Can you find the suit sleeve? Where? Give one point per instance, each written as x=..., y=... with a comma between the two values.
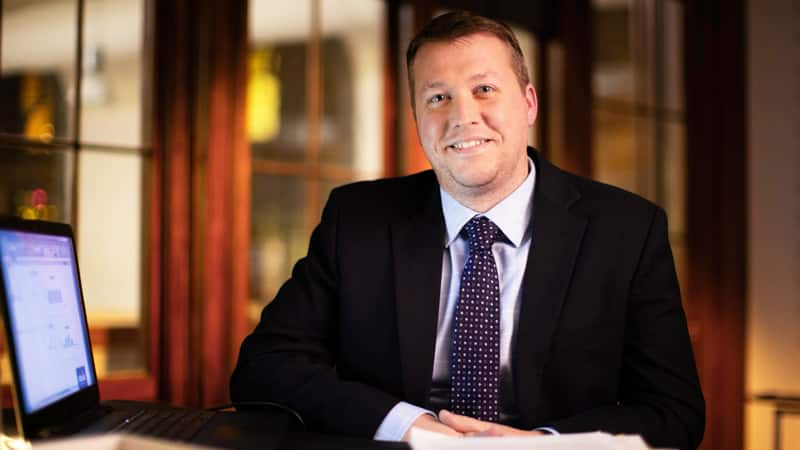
x=660, y=396
x=290, y=357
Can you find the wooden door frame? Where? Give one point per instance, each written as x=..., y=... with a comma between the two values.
x=200, y=240
x=715, y=90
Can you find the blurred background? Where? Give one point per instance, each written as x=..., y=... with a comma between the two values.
x=192, y=145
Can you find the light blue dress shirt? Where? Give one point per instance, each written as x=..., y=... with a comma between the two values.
x=512, y=215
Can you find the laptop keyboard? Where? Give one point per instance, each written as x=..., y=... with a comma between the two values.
x=177, y=424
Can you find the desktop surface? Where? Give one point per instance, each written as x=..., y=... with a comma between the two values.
x=262, y=430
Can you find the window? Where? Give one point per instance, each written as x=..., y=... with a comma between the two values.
x=639, y=118
x=315, y=121
x=74, y=148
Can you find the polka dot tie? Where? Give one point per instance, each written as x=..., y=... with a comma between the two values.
x=475, y=352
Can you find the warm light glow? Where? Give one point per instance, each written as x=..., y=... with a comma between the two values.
x=35, y=206
x=12, y=443
x=263, y=96
x=36, y=104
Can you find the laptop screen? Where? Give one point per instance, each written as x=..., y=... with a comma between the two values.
x=45, y=317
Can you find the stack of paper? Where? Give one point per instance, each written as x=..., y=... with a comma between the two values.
x=114, y=442
x=426, y=440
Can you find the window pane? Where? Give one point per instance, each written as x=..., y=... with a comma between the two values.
x=556, y=97
x=673, y=55
x=36, y=183
x=530, y=50
x=112, y=101
x=278, y=235
x=614, y=158
x=639, y=133
x=673, y=168
x=613, y=75
x=39, y=43
x=352, y=78
x=276, y=89
x=112, y=203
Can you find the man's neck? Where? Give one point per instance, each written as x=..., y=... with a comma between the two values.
x=480, y=202
x=487, y=197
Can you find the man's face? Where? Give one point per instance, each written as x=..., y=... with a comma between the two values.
x=472, y=116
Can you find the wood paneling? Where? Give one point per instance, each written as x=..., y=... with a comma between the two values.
x=172, y=147
x=717, y=202
x=203, y=172
x=575, y=34
x=154, y=188
x=128, y=388
x=414, y=156
x=223, y=200
x=391, y=88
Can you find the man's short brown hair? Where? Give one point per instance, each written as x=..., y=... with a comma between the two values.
x=458, y=24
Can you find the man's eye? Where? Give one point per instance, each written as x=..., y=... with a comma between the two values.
x=436, y=99
x=485, y=89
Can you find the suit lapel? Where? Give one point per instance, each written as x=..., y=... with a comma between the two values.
x=417, y=246
x=557, y=235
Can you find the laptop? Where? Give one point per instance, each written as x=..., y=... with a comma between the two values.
x=55, y=387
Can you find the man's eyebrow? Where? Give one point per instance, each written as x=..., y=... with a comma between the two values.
x=475, y=77
x=434, y=85
x=482, y=75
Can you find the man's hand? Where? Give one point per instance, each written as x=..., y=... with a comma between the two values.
x=430, y=423
x=469, y=426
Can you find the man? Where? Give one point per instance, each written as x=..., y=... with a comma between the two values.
x=495, y=295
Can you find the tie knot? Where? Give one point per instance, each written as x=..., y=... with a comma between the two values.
x=481, y=233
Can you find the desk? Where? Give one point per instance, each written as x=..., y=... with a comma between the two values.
x=262, y=430
x=268, y=430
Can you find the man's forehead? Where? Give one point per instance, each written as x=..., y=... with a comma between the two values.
x=475, y=77
x=461, y=41
x=439, y=59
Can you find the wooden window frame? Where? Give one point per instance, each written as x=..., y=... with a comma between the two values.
x=138, y=386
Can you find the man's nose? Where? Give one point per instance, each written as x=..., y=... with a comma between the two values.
x=464, y=111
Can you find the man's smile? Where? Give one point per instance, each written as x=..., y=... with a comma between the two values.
x=468, y=144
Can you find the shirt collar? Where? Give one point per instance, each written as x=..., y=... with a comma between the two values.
x=506, y=214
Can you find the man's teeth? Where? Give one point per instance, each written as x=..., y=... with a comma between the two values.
x=467, y=144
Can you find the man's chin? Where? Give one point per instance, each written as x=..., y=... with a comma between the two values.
x=475, y=186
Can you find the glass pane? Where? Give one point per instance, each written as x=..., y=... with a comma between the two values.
x=112, y=204
x=277, y=125
x=614, y=158
x=352, y=78
x=673, y=170
x=673, y=56
x=39, y=44
x=408, y=157
x=530, y=50
x=673, y=194
x=556, y=96
x=111, y=92
x=613, y=76
x=36, y=183
x=279, y=235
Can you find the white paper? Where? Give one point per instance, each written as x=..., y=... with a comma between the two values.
x=114, y=442
x=426, y=440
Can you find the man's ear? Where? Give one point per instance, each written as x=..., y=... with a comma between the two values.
x=532, y=103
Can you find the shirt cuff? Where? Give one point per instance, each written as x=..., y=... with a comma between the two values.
x=398, y=421
x=547, y=430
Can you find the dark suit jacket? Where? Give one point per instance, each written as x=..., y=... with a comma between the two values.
x=601, y=344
